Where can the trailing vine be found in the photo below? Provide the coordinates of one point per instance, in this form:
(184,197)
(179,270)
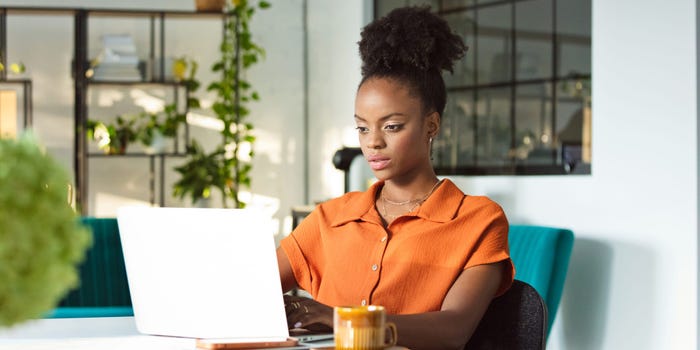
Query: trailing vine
(229,165)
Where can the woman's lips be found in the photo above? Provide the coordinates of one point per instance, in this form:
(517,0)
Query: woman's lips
(378,162)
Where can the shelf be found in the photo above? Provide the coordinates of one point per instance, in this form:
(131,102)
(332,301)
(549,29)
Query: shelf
(136,155)
(132,83)
(106,12)
(16,81)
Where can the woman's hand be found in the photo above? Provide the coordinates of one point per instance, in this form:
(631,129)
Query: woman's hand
(308,314)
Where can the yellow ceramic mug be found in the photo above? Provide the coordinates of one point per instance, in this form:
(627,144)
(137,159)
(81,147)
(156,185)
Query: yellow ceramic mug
(362,328)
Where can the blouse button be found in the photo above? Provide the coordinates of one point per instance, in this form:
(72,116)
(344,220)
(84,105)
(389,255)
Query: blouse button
(384,239)
(375,267)
(364,302)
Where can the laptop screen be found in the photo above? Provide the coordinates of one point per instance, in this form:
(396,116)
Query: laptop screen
(202,273)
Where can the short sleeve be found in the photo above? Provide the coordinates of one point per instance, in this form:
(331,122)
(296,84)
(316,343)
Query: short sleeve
(303,249)
(491,247)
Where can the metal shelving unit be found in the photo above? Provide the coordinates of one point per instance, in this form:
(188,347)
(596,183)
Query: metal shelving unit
(81,17)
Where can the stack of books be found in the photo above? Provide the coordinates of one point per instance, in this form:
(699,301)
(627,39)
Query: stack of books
(118,60)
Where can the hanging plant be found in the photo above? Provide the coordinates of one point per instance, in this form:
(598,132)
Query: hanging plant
(231,159)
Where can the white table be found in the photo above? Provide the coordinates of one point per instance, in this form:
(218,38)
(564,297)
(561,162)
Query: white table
(108,333)
(98,333)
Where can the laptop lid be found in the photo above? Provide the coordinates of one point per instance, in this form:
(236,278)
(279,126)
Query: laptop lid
(202,273)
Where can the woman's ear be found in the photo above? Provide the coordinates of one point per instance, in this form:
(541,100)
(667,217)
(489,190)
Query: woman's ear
(433,124)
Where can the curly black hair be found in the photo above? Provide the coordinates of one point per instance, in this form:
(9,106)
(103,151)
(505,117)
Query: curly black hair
(413,46)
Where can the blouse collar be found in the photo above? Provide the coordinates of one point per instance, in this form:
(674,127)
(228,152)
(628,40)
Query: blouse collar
(441,206)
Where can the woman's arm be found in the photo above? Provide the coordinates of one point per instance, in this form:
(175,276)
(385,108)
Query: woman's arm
(463,307)
(287,278)
(302,312)
(450,328)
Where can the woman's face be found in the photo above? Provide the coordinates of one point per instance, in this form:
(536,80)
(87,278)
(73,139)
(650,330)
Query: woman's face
(393,129)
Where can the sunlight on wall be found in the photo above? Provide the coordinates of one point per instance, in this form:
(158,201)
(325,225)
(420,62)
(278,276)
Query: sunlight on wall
(148,102)
(267,144)
(350,138)
(205,121)
(268,205)
(108,97)
(152,101)
(332,179)
(106,204)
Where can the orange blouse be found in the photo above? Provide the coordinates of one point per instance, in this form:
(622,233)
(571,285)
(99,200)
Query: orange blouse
(342,254)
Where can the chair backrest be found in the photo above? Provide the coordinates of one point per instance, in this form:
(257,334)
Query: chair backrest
(516,320)
(541,257)
(103,289)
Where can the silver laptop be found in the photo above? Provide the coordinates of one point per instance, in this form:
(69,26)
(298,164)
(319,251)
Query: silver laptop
(203,273)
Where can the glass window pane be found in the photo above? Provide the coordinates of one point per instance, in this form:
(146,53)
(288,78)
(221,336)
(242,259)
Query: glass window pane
(455,4)
(573,121)
(493,46)
(574,17)
(434,4)
(533,39)
(455,145)
(382,7)
(493,126)
(533,125)
(574,59)
(463,24)
(574,37)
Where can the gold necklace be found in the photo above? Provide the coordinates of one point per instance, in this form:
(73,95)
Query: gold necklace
(422,199)
(401,203)
(415,205)
(394,216)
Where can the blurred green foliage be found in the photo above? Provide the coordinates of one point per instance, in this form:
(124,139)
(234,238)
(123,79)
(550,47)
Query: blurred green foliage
(41,239)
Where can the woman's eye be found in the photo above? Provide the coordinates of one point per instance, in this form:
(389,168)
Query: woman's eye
(361,129)
(393,127)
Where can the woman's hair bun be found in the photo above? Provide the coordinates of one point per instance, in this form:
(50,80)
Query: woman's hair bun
(409,38)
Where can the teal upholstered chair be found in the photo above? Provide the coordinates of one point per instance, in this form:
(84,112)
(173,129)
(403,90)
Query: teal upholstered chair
(541,257)
(103,290)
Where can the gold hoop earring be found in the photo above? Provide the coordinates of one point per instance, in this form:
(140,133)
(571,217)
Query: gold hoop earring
(430,142)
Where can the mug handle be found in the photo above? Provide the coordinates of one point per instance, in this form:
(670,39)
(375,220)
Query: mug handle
(394,334)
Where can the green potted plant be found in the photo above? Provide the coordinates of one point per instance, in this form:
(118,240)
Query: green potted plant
(231,168)
(113,138)
(41,239)
(148,128)
(154,128)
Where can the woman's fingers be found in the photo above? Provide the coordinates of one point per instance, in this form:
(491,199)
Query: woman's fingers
(304,312)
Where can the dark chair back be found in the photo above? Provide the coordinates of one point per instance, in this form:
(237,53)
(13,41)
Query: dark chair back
(516,320)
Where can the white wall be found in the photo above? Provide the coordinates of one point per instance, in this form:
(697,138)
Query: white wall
(334,73)
(632,281)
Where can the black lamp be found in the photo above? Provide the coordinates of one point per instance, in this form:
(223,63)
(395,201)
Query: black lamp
(342,160)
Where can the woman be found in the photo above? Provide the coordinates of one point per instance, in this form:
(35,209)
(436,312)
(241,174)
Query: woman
(415,244)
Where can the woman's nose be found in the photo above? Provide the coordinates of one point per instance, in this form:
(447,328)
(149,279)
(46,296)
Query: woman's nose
(374,139)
